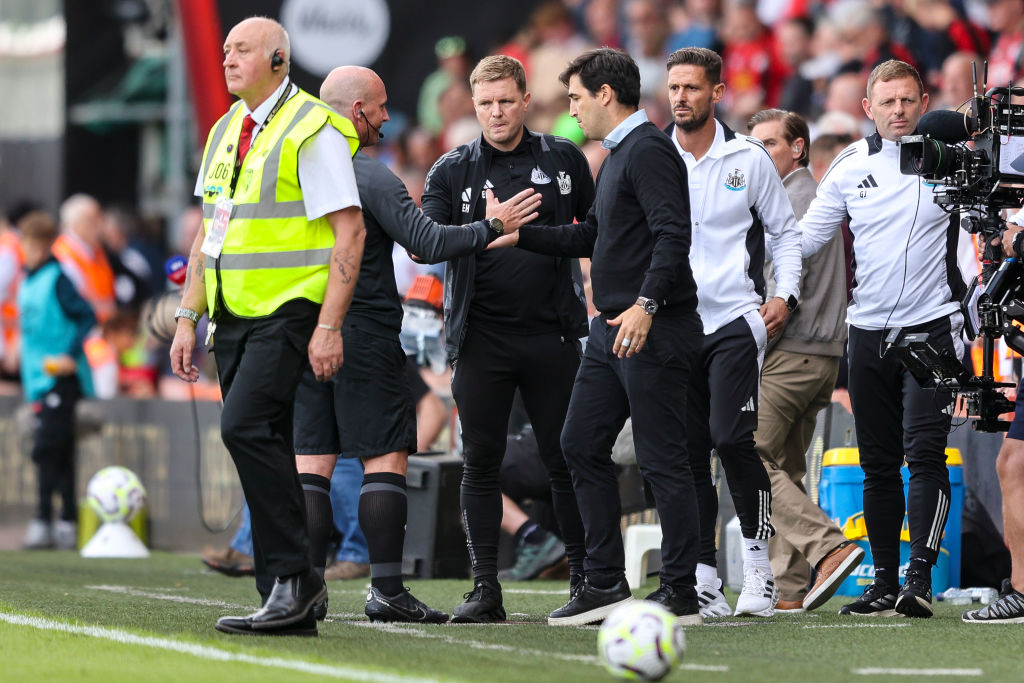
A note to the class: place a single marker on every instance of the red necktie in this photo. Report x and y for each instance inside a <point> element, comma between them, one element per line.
<point>245,138</point>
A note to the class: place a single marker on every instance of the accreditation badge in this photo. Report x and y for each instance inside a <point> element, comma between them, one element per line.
<point>214,240</point>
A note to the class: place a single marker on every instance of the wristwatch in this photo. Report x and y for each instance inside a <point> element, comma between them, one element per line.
<point>183,312</point>
<point>496,225</point>
<point>650,306</point>
<point>790,302</point>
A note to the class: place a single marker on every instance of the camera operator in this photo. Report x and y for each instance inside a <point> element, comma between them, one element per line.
<point>1010,468</point>
<point>906,277</point>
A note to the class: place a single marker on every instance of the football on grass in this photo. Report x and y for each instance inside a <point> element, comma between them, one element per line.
<point>115,494</point>
<point>640,640</point>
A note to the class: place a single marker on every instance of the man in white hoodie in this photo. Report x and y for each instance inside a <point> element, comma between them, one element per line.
<point>736,199</point>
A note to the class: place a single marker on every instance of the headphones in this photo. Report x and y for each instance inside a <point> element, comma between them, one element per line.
<point>276,61</point>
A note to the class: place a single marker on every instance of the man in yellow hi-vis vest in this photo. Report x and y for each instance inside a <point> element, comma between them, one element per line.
<point>275,266</point>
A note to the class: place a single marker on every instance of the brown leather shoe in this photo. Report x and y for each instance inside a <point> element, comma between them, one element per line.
<point>229,562</point>
<point>831,572</point>
<point>343,571</point>
<point>789,607</point>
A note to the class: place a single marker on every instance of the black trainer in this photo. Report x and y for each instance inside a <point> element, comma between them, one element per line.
<point>878,600</point>
<point>482,606</point>
<point>686,608</point>
<point>591,604</point>
<point>402,607</point>
<point>915,600</point>
<point>1008,609</point>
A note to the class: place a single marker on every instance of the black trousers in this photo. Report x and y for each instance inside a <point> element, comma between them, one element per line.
<point>260,362</point>
<point>724,394</point>
<point>492,365</point>
<point>896,418</point>
<point>651,387</point>
<point>53,450</point>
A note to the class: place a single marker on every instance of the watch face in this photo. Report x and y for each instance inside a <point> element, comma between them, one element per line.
<point>497,225</point>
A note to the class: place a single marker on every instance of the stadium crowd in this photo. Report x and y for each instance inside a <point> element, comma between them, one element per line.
<point>849,71</point>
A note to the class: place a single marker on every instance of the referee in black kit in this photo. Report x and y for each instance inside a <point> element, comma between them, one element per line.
<point>643,345</point>
<point>367,410</point>
<point>512,319</point>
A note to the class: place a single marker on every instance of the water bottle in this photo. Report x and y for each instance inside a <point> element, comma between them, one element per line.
<point>966,596</point>
<point>956,596</point>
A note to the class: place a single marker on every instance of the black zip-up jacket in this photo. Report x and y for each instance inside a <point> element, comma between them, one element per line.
<point>452,190</point>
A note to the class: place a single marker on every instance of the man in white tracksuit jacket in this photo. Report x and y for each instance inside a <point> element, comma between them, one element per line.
<point>736,199</point>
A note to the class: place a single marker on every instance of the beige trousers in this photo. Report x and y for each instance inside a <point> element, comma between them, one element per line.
<point>794,388</point>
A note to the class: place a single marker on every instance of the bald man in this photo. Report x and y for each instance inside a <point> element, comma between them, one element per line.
<point>81,254</point>
<point>367,410</point>
<point>282,239</point>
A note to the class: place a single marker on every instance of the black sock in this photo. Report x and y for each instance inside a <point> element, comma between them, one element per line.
<point>887,576</point>
<point>319,517</point>
<point>922,566</point>
<point>383,508</point>
<point>528,532</point>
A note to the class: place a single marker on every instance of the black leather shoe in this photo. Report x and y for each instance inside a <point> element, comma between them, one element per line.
<point>320,610</point>
<point>678,603</point>
<point>243,626</point>
<point>290,601</point>
<point>591,604</point>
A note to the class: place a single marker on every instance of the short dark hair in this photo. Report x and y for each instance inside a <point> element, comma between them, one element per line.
<point>709,60</point>
<point>793,127</point>
<point>606,66</point>
<point>38,225</point>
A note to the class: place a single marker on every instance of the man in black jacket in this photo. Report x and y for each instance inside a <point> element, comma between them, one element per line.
<point>512,319</point>
<point>641,348</point>
<point>367,410</point>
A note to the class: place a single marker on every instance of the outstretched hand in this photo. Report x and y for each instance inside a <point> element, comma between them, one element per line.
<point>518,210</point>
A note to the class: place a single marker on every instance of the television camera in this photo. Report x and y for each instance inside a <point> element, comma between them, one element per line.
<point>975,163</point>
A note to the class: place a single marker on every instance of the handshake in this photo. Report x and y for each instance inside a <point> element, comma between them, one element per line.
<point>512,213</point>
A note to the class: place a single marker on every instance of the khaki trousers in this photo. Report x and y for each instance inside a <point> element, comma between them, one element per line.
<point>794,387</point>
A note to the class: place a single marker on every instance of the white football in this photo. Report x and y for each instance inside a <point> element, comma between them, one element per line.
<point>115,494</point>
<point>640,640</point>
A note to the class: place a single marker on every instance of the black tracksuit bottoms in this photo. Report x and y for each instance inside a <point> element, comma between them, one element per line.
<point>651,388</point>
<point>896,418</point>
<point>492,364</point>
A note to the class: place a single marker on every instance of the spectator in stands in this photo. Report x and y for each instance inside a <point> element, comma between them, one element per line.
<point>647,32</point>
<point>751,71</point>
<point>1006,61</point>
<point>793,41</point>
<point>942,29</point>
<point>956,84</point>
<point>846,94</point>
<point>864,39</point>
<point>55,320</point>
<point>694,24</point>
<point>453,65</point>
<point>797,379</point>
<point>132,272</point>
<point>824,149</point>
<point>80,252</point>
<point>12,261</point>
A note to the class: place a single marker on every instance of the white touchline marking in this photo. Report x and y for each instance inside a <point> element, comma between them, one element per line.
<point>207,652</point>
<point>414,631</point>
<point>855,626</point>
<point>917,672</point>
<point>135,592</point>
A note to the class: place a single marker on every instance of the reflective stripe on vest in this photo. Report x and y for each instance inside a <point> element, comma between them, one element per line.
<point>271,253</point>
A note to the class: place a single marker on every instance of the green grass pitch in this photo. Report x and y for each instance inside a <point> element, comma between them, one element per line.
<point>64,618</point>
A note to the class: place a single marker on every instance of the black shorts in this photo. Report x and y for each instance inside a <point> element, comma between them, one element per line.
<point>365,410</point>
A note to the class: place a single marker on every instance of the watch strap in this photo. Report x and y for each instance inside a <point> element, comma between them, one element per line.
<point>183,312</point>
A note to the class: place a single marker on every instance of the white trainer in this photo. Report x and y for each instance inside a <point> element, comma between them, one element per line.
<point>65,535</point>
<point>759,593</point>
<point>38,535</point>
<point>712,601</point>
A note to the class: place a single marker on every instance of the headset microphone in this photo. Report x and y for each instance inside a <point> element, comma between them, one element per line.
<point>375,129</point>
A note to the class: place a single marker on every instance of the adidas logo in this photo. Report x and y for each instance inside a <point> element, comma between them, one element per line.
<point>749,407</point>
<point>868,182</point>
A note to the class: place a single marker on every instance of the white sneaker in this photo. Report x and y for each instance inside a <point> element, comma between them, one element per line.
<point>65,535</point>
<point>759,593</point>
<point>37,535</point>
<point>712,601</point>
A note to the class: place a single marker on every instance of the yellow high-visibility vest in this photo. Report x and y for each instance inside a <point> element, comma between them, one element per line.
<point>271,253</point>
